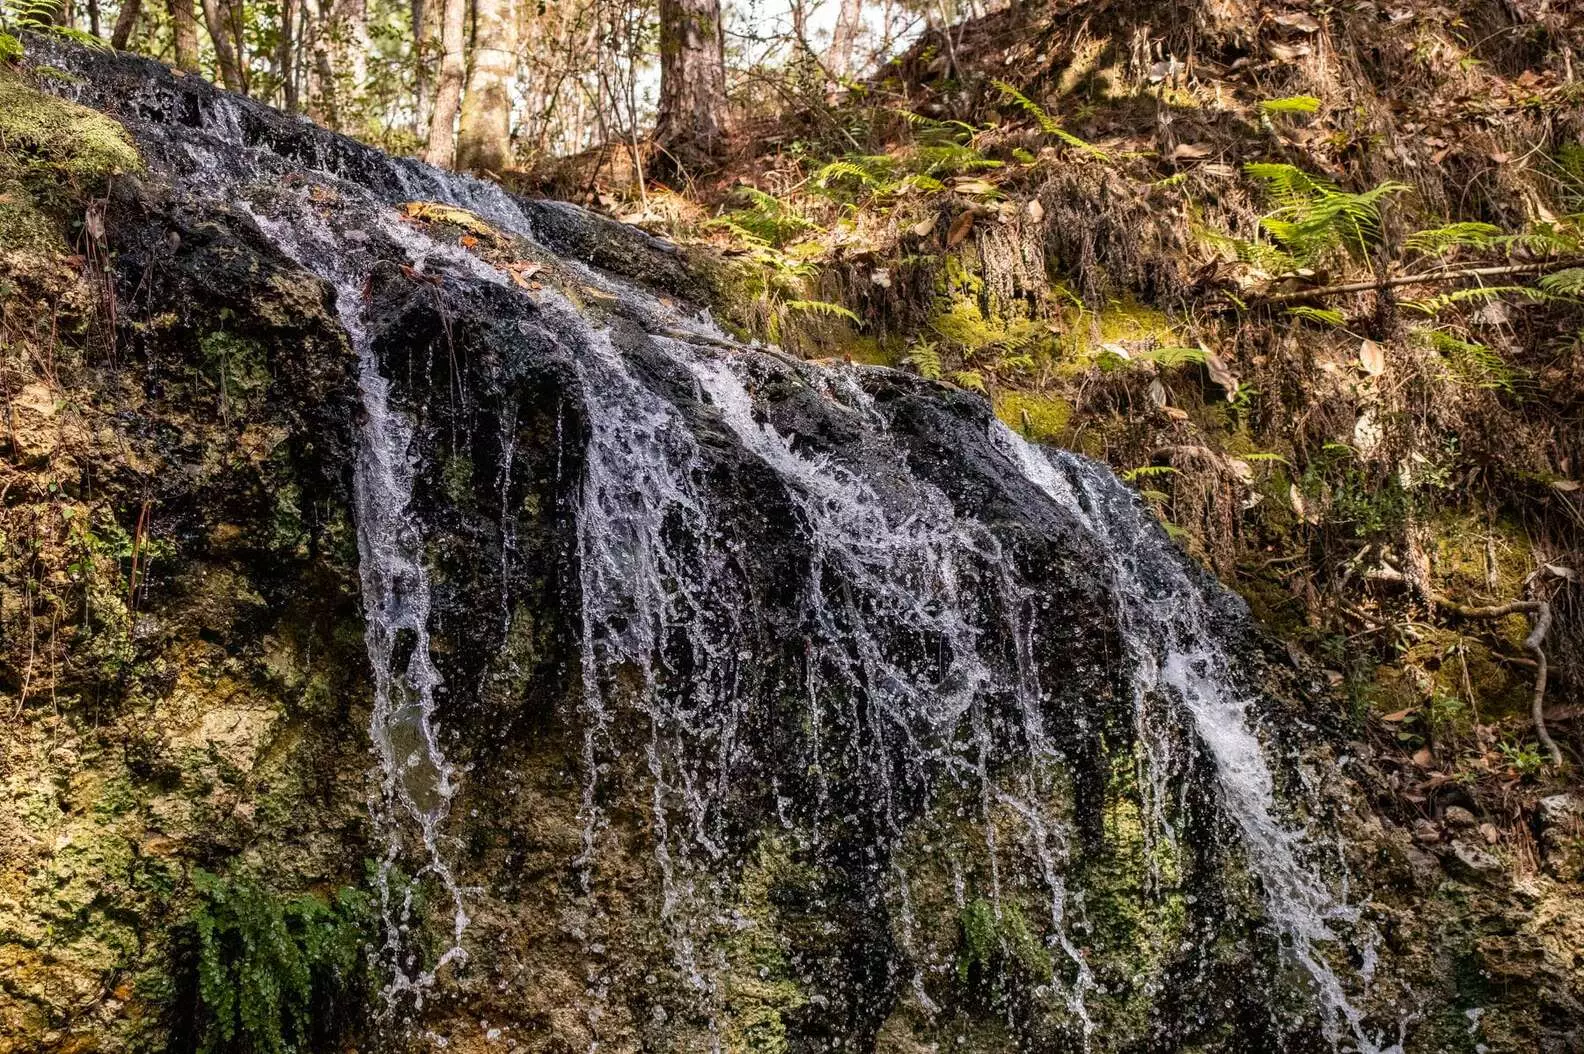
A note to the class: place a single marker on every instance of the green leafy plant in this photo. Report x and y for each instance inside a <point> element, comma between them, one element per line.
<point>925,358</point>
<point>275,974</point>
<point>1048,124</point>
<point>1314,218</point>
<point>823,307</point>
<point>37,16</point>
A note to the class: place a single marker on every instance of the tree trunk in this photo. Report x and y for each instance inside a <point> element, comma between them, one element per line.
<point>324,104</point>
<point>126,19</point>
<point>691,125</point>
<point>184,33</point>
<point>225,55</point>
<point>484,136</point>
<point>93,17</point>
<point>448,92</point>
<point>286,53</point>
<point>849,19</point>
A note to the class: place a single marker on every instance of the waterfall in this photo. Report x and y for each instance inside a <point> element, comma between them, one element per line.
<point>902,623</point>
<point>1177,661</point>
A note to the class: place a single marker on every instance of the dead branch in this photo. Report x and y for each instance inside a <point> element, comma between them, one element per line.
<point>1539,612</point>
<point>1423,278</point>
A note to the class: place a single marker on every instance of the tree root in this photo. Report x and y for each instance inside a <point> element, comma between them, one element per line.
<point>1539,611</point>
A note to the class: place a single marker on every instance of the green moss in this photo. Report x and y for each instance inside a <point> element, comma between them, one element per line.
<point>1039,416</point>
<point>51,150</point>
<point>760,988</point>
<point>238,368</point>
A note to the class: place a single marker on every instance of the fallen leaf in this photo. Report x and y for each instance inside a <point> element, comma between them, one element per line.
<point>1566,486</point>
<point>1400,715</point>
<point>1286,52</point>
<point>1035,210</point>
<point>922,228</point>
<point>1175,414</point>
<point>1219,372</point>
<point>959,229</point>
<point>468,241</point>
<point>1423,758</point>
<point>1561,572</point>
<point>1241,469</point>
<point>975,187</point>
<point>1191,151</point>
<point>1372,357</point>
<point>1157,393</point>
<point>1489,832</point>
<point>1366,433</point>
<point>1298,20</point>
<point>1116,349</point>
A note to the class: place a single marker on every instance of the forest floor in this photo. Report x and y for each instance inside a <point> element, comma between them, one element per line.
<point>1307,275</point>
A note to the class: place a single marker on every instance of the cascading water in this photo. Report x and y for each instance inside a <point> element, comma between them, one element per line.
<point>788,592</point>
<point>1177,662</point>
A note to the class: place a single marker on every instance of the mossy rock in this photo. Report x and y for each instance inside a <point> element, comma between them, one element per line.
<point>81,144</point>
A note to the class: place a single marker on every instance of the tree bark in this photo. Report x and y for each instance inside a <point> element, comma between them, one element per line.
<point>849,19</point>
<point>691,125</point>
<point>225,54</point>
<point>286,53</point>
<point>484,136</point>
<point>184,33</point>
<point>448,92</point>
<point>126,19</point>
<point>93,17</point>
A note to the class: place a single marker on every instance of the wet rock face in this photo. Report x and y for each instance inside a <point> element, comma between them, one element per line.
<point>749,705</point>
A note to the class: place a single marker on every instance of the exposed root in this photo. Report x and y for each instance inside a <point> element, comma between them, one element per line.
<point>1539,612</point>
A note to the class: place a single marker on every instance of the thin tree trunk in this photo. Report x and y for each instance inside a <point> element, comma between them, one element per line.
<point>448,93</point>
<point>93,17</point>
<point>484,136</point>
<point>126,19</point>
<point>184,33</point>
<point>286,54</point>
<point>691,125</point>
<point>323,101</point>
<point>423,40</point>
<point>849,19</point>
<point>225,55</point>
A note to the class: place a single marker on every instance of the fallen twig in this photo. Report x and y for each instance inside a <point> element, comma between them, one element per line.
<point>1422,278</point>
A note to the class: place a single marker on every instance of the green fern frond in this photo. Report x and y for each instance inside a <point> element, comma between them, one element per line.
<point>1564,283</point>
<point>822,307</point>
<point>1314,216</point>
<point>1172,356</point>
<point>925,358</point>
<point>1048,124</point>
<point>972,380</point>
<point>1132,475</point>
<point>1473,363</point>
<point>1437,240</point>
<point>1325,316</point>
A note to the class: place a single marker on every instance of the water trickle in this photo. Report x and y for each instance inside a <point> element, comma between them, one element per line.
<point>1176,660</point>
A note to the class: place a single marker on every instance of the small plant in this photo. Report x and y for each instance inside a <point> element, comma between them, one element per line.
<point>925,358</point>
<point>1048,124</point>
<point>275,974</point>
<point>37,16</point>
<point>1522,758</point>
<point>1314,217</point>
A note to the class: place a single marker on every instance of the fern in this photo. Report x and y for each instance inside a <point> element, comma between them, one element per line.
<point>1290,104</point>
<point>1564,283</point>
<point>1325,316</point>
<point>1172,356</point>
<point>1435,305</point>
<point>1048,124</point>
<point>823,307</point>
<point>1438,240</point>
<point>1133,475</point>
<point>925,358</point>
<point>39,16</point>
<point>1313,216</point>
<point>1472,362</point>
<point>972,380</point>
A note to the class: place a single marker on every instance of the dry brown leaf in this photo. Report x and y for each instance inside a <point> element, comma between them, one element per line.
<point>1303,23</point>
<point>1191,151</point>
<point>1372,357</point>
<point>959,229</point>
<point>1400,715</point>
<point>1219,372</point>
<point>1035,210</point>
<point>1566,486</point>
<point>1286,52</point>
<point>922,228</point>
